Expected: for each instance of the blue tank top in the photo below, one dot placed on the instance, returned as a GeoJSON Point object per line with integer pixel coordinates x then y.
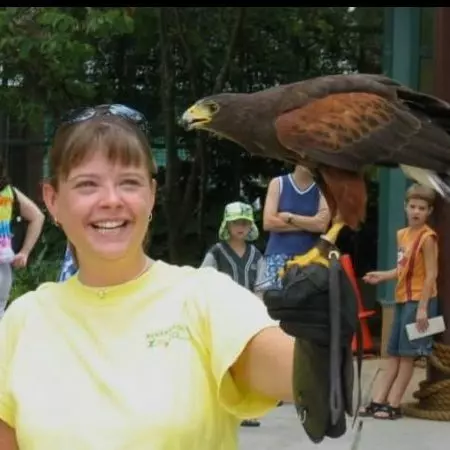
{"type": "Point", "coordinates": [295, 201]}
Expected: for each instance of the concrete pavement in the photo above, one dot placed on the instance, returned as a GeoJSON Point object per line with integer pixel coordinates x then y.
{"type": "Point", "coordinates": [281, 429]}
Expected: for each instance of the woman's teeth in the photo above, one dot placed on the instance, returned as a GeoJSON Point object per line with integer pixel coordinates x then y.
{"type": "Point", "coordinates": [105, 227]}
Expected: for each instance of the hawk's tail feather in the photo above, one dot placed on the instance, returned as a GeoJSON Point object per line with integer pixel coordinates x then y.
{"type": "Point", "coordinates": [443, 181]}
{"type": "Point", "coordinates": [438, 182]}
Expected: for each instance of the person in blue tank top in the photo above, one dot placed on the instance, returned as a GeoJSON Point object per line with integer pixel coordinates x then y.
{"type": "Point", "coordinates": [295, 214]}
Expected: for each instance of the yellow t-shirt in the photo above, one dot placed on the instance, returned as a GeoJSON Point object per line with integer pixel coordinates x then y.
{"type": "Point", "coordinates": [141, 366]}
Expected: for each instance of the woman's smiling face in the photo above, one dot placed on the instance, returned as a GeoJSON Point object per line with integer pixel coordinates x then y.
{"type": "Point", "coordinates": [104, 206]}
{"type": "Point", "coordinates": [102, 192]}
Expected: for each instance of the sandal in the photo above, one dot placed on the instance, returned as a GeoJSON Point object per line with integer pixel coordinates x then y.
{"type": "Point", "coordinates": [250, 423]}
{"type": "Point", "coordinates": [391, 413]}
{"type": "Point", "coordinates": [371, 409]}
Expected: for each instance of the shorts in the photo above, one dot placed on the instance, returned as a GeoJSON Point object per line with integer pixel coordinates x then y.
{"type": "Point", "coordinates": [404, 314]}
{"type": "Point", "coordinates": [269, 278]}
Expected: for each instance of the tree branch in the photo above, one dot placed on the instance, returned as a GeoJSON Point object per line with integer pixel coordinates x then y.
{"type": "Point", "coordinates": [221, 77]}
{"type": "Point", "coordinates": [172, 194]}
{"type": "Point", "coordinates": [190, 63]}
{"type": "Point", "coordinates": [167, 103]}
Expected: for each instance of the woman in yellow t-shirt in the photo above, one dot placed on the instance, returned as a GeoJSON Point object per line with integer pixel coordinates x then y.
{"type": "Point", "coordinates": [130, 353]}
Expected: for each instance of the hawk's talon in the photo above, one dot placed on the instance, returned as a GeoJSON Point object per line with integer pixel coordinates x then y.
{"type": "Point", "coordinates": [315, 255]}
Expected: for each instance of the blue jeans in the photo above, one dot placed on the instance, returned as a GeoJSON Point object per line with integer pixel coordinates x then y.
{"type": "Point", "coordinates": [404, 314]}
{"type": "Point", "coordinates": [268, 277]}
{"type": "Point", "coordinates": [69, 266]}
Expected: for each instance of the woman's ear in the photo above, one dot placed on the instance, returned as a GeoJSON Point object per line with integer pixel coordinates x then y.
{"type": "Point", "coordinates": [153, 187]}
{"type": "Point", "coordinates": [50, 195]}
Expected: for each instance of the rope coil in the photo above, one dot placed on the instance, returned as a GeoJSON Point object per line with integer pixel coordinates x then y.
{"type": "Point", "coordinates": [433, 397]}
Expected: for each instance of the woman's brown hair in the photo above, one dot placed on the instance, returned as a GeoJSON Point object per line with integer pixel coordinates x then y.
{"type": "Point", "coordinates": [121, 140]}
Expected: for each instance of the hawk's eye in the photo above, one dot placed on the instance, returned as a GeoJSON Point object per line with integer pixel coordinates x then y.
{"type": "Point", "coordinates": [213, 107]}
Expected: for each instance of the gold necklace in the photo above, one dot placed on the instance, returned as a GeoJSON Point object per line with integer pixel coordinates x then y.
{"type": "Point", "coordinates": [101, 293]}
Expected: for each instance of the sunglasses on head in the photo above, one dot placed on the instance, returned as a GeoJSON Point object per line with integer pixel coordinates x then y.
{"type": "Point", "coordinates": [81, 114]}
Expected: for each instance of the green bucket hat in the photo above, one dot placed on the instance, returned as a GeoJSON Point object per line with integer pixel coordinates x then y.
{"type": "Point", "coordinates": [238, 211]}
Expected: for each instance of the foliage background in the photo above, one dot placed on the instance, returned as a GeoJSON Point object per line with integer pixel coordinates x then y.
{"type": "Point", "coordinates": [159, 60]}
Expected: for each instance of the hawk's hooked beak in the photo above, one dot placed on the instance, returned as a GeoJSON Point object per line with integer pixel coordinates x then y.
{"type": "Point", "coordinates": [194, 117]}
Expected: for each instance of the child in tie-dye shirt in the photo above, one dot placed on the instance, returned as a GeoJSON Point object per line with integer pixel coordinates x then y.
{"type": "Point", "coordinates": [6, 205]}
{"type": "Point", "coordinates": [6, 251]}
{"type": "Point", "coordinates": [8, 257]}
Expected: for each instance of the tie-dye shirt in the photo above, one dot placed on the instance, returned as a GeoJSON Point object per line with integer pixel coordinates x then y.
{"type": "Point", "coordinates": [6, 205]}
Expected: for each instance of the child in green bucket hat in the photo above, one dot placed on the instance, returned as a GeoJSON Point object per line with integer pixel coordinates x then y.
{"type": "Point", "coordinates": [234, 254]}
{"type": "Point", "coordinates": [237, 213]}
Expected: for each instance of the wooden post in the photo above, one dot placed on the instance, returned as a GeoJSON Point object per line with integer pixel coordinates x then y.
{"type": "Point", "coordinates": [442, 216]}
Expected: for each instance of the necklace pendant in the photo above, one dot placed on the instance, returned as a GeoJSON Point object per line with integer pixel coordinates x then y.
{"type": "Point", "coordinates": [101, 293]}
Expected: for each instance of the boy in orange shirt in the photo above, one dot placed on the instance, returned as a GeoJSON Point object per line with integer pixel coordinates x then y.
{"type": "Point", "coordinates": [416, 301]}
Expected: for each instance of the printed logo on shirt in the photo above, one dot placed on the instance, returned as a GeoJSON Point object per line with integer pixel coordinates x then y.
{"type": "Point", "coordinates": [401, 257]}
{"type": "Point", "coordinates": [163, 337]}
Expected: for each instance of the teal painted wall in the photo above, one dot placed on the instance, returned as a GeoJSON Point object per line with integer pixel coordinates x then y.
{"type": "Point", "coordinates": [401, 62]}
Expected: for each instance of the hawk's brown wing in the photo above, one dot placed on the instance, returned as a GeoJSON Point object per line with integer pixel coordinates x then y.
{"type": "Point", "coordinates": [353, 129]}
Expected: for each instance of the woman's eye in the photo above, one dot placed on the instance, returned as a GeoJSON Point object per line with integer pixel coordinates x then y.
{"type": "Point", "coordinates": [85, 184]}
{"type": "Point", "coordinates": [131, 182]}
